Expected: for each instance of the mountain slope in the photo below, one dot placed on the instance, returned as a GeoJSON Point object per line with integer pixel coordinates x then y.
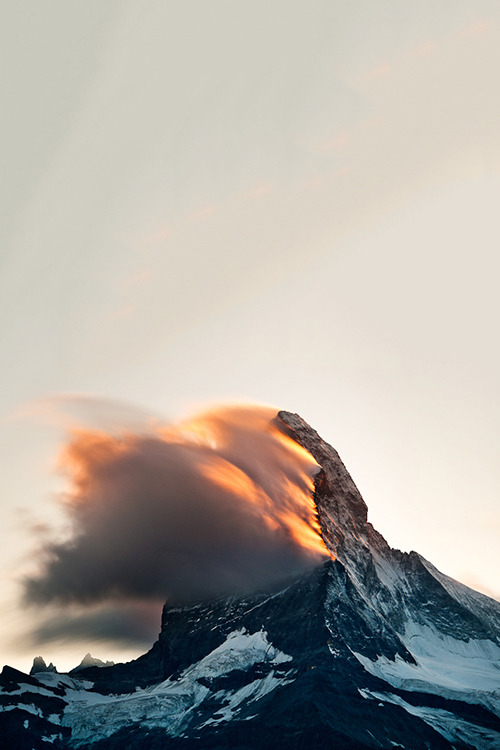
{"type": "Point", "coordinates": [373, 649]}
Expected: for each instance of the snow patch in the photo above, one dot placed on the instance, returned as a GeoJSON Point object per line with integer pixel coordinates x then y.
{"type": "Point", "coordinates": [64, 681]}
{"type": "Point", "coordinates": [450, 726]}
{"type": "Point", "coordinates": [447, 666]}
{"type": "Point", "coordinates": [171, 703]}
{"type": "Point", "coordinates": [33, 689]}
{"type": "Point", "coordinates": [29, 707]}
{"type": "Point", "coordinates": [239, 651]}
{"type": "Point", "coordinates": [248, 693]}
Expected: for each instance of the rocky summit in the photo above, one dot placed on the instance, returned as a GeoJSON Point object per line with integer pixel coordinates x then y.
{"type": "Point", "coordinates": [375, 648]}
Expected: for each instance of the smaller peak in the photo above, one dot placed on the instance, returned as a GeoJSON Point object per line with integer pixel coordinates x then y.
{"type": "Point", "coordinates": [91, 661]}
{"type": "Point", "coordinates": [39, 665]}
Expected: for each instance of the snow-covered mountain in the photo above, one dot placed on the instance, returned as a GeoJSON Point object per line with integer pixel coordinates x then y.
{"type": "Point", "coordinates": [373, 649]}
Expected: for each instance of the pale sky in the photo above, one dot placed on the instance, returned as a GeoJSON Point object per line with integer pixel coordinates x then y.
{"type": "Point", "coordinates": [289, 203]}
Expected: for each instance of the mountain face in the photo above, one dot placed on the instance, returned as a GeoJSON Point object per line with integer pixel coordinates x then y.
{"type": "Point", "coordinates": [373, 649]}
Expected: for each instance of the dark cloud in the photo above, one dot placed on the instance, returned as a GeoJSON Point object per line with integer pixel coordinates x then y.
{"type": "Point", "coordinates": [127, 623]}
{"type": "Point", "coordinates": [217, 505]}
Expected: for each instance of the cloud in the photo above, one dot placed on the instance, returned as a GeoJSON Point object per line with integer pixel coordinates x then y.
{"type": "Point", "coordinates": [126, 623]}
{"type": "Point", "coordinates": [71, 411]}
{"type": "Point", "coordinates": [379, 72]}
{"type": "Point", "coordinates": [217, 505]}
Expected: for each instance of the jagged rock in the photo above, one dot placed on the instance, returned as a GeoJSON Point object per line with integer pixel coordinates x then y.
{"type": "Point", "coordinates": [342, 512]}
{"type": "Point", "coordinates": [39, 665]}
{"type": "Point", "coordinates": [91, 661]}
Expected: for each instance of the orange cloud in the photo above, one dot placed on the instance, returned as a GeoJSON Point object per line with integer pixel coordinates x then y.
{"type": "Point", "coordinates": [162, 234]}
{"type": "Point", "coordinates": [424, 50]}
{"type": "Point", "coordinates": [221, 503]}
{"type": "Point", "coordinates": [258, 191]}
{"type": "Point", "coordinates": [339, 141]}
{"type": "Point", "coordinates": [381, 71]}
{"type": "Point", "coordinates": [205, 212]}
{"type": "Point", "coordinates": [477, 29]}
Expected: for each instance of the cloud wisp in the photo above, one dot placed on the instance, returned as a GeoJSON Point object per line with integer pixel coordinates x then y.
{"type": "Point", "coordinates": [216, 505]}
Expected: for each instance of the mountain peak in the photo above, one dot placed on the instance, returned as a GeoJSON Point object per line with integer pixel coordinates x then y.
{"type": "Point", "coordinates": [342, 512]}
{"type": "Point", "coordinates": [91, 661]}
{"type": "Point", "coordinates": [39, 665]}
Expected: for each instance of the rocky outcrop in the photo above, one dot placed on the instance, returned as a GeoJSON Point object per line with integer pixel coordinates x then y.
{"type": "Point", "coordinates": [39, 665]}
{"type": "Point", "coordinates": [91, 661]}
{"type": "Point", "coordinates": [342, 512]}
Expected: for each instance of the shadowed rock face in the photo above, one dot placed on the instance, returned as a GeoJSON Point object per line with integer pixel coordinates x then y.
{"type": "Point", "coordinates": [342, 512]}
{"type": "Point", "coordinates": [375, 648]}
{"type": "Point", "coordinates": [341, 509]}
{"type": "Point", "coordinates": [39, 665]}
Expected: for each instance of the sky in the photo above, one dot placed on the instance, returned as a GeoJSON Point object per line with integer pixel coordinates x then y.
{"type": "Point", "coordinates": [282, 203]}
